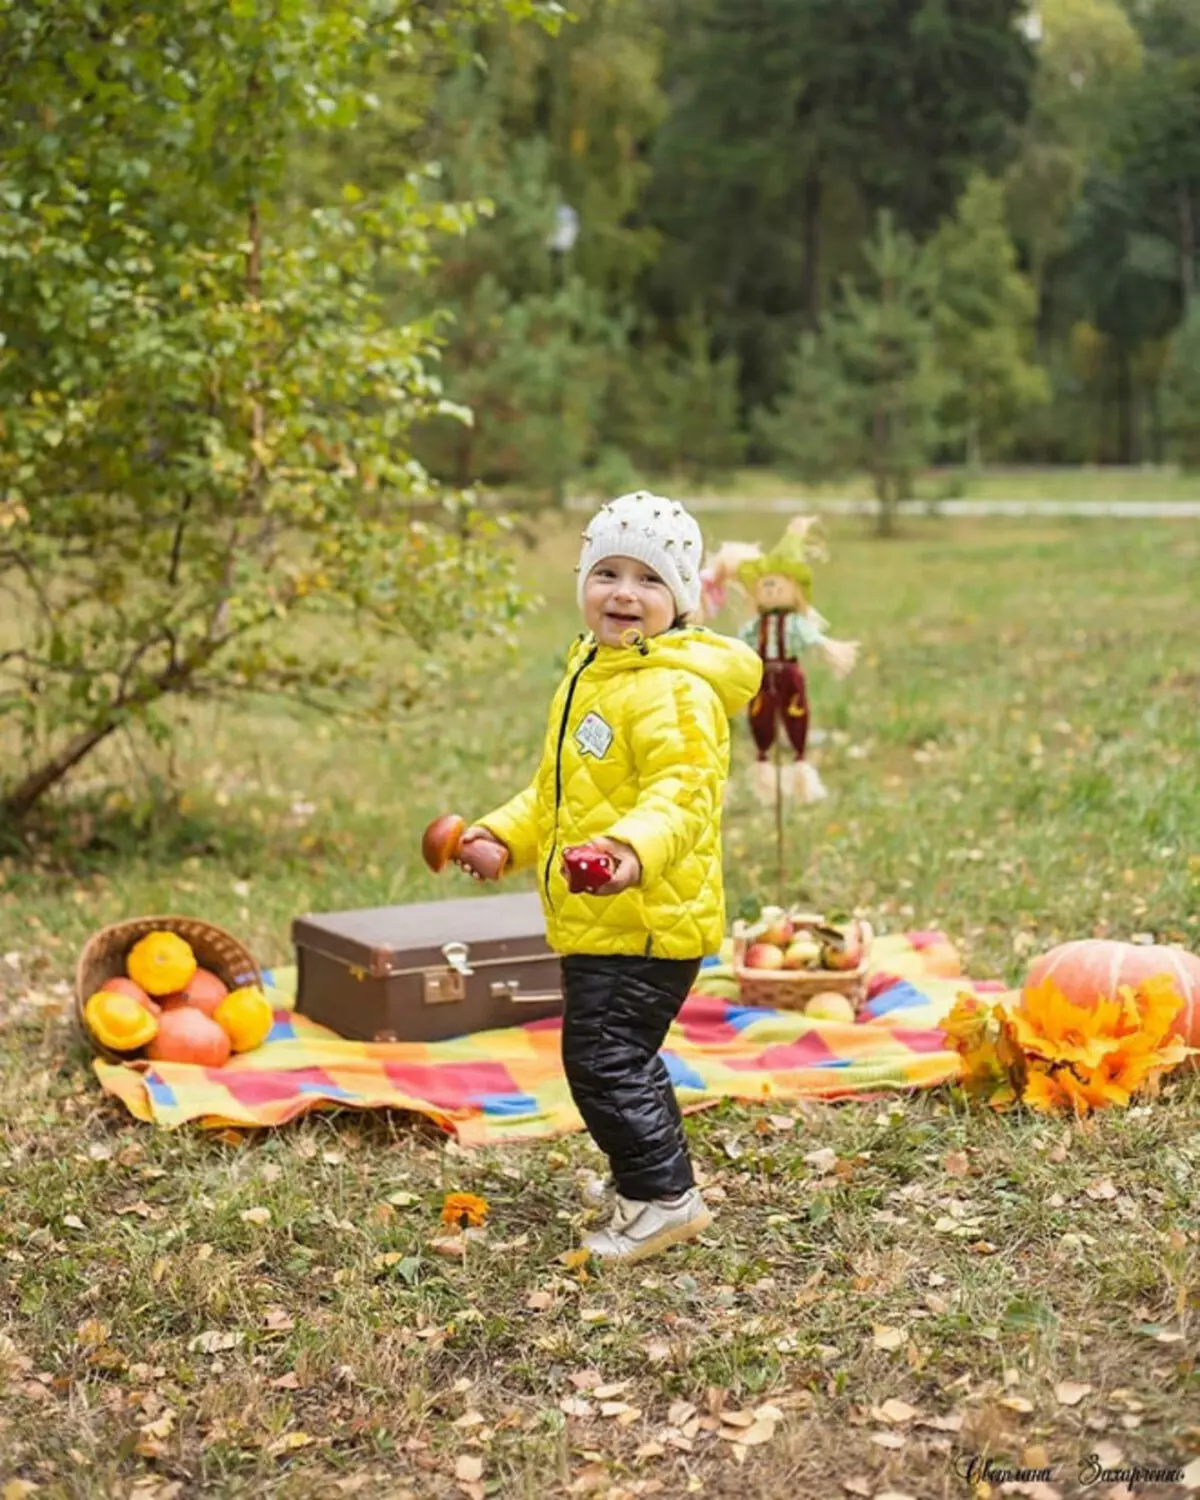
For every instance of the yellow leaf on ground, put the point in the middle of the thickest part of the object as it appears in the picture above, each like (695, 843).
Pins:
(887, 1338)
(895, 1412)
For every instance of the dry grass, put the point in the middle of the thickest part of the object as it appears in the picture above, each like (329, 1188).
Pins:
(1014, 760)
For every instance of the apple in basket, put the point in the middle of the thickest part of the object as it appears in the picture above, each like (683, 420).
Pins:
(762, 955)
(842, 947)
(803, 952)
(776, 926)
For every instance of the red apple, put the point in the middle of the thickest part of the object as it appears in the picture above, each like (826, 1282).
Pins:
(764, 956)
(119, 985)
(846, 950)
(776, 926)
(587, 867)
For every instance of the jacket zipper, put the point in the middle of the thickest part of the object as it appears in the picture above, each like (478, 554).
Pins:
(562, 734)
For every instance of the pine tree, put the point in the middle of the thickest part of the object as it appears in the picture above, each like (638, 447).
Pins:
(864, 393)
(1181, 391)
(984, 317)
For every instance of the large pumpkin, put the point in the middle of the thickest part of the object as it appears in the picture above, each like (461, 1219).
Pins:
(1095, 968)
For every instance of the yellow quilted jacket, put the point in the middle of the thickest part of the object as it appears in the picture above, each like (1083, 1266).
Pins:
(636, 749)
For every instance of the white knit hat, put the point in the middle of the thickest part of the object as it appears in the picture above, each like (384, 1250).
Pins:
(656, 531)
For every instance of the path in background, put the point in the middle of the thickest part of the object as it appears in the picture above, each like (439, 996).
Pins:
(1173, 510)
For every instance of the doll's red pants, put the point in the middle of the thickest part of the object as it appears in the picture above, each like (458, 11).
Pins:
(784, 694)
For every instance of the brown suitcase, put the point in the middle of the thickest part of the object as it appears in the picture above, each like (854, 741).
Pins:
(428, 971)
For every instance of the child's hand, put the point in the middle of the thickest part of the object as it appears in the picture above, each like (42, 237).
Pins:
(628, 867)
(481, 854)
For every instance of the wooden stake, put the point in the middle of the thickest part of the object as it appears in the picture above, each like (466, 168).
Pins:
(782, 901)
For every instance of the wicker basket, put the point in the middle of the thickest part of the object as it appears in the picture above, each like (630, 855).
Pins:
(791, 989)
(104, 955)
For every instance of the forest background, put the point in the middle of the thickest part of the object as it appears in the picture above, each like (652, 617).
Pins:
(308, 307)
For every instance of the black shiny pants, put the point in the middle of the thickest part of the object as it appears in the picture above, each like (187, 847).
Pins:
(617, 1012)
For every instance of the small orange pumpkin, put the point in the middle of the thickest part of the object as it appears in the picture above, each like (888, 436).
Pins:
(187, 1035)
(119, 985)
(1092, 969)
(203, 990)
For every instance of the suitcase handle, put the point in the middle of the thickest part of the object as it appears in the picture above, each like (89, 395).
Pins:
(508, 989)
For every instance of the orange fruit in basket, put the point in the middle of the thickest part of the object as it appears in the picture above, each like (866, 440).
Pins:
(161, 962)
(119, 985)
(203, 990)
(187, 1035)
(246, 1017)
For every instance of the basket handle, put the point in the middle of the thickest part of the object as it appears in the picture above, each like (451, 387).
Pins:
(739, 943)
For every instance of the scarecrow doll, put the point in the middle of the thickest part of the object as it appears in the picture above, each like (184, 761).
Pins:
(779, 584)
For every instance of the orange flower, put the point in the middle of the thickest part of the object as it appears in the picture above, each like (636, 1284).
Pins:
(1056, 1056)
(1157, 1002)
(464, 1210)
(1045, 1090)
(1048, 1025)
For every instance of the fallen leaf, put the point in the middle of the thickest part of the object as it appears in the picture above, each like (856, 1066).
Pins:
(587, 1380)
(887, 1338)
(289, 1442)
(610, 1392)
(1017, 1403)
(679, 1413)
(213, 1340)
(17, 1489)
(468, 1468)
(1101, 1190)
(402, 1199)
(91, 1334)
(539, 1301)
(861, 1487)
(956, 1164)
(888, 1439)
(573, 1259)
(738, 1418)
(256, 1216)
(575, 1406)
(288, 1382)
(1071, 1392)
(824, 1158)
(657, 1351)
(592, 1315)
(278, 1321)
(650, 1450)
(753, 1436)
(894, 1411)
(72, 1221)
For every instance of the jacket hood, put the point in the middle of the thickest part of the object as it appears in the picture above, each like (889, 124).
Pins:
(731, 668)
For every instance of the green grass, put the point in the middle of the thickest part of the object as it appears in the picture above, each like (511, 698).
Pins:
(1029, 484)
(1014, 760)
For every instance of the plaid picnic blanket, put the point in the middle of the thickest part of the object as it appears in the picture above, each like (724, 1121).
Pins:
(509, 1086)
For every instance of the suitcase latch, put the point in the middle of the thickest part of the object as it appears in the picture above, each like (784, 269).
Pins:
(444, 986)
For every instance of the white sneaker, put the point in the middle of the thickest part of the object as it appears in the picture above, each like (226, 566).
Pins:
(639, 1229)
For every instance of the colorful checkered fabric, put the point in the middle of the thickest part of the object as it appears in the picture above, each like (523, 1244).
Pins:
(509, 1086)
